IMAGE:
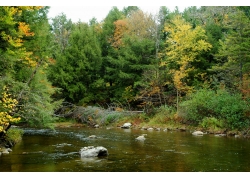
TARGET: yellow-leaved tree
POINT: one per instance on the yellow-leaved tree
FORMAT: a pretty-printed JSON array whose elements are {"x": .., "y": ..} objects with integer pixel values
[
  {"x": 184, "y": 47},
  {"x": 7, "y": 105},
  {"x": 13, "y": 32}
]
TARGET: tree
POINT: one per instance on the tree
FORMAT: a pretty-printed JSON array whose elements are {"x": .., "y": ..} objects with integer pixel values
[
  {"x": 25, "y": 56},
  {"x": 61, "y": 28},
  {"x": 12, "y": 36},
  {"x": 7, "y": 106},
  {"x": 233, "y": 53},
  {"x": 184, "y": 47},
  {"x": 76, "y": 72},
  {"x": 120, "y": 29},
  {"x": 128, "y": 10},
  {"x": 142, "y": 25},
  {"x": 132, "y": 52}
]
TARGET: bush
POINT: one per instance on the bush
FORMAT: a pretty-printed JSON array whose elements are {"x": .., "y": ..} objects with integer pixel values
[
  {"x": 97, "y": 115},
  {"x": 219, "y": 104},
  {"x": 112, "y": 117},
  {"x": 164, "y": 114},
  {"x": 211, "y": 123},
  {"x": 14, "y": 135}
]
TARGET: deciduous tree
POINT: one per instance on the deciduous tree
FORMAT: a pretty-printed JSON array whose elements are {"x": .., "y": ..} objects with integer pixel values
[{"x": 184, "y": 47}]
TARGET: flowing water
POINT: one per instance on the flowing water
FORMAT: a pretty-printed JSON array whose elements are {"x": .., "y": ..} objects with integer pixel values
[{"x": 58, "y": 151}]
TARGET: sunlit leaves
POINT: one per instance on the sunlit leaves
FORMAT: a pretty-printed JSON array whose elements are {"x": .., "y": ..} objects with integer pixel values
[
  {"x": 24, "y": 29},
  {"x": 13, "y": 32},
  {"x": 7, "y": 105},
  {"x": 183, "y": 47}
]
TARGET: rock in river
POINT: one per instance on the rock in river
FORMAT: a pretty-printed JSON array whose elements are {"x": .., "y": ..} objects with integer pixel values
[
  {"x": 126, "y": 125},
  {"x": 92, "y": 151},
  {"x": 197, "y": 133},
  {"x": 141, "y": 138}
]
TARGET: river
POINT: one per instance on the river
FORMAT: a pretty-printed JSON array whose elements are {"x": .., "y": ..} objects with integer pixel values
[{"x": 43, "y": 150}]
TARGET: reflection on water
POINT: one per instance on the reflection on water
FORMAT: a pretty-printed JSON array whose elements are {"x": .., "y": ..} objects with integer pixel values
[{"x": 57, "y": 151}]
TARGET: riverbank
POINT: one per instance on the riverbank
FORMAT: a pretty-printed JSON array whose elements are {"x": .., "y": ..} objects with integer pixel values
[
  {"x": 168, "y": 126},
  {"x": 13, "y": 136}
]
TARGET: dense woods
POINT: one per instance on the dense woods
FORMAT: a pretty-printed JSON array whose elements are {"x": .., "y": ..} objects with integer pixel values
[{"x": 193, "y": 64}]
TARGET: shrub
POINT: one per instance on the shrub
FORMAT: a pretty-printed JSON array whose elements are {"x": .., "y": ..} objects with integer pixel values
[
  {"x": 14, "y": 135},
  {"x": 97, "y": 115},
  {"x": 164, "y": 114},
  {"x": 112, "y": 117},
  {"x": 211, "y": 123},
  {"x": 219, "y": 104}
]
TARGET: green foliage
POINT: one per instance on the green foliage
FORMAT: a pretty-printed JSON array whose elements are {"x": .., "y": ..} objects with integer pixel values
[
  {"x": 211, "y": 123},
  {"x": 164, "y": 114},
  {"x": 14, "y": 135},
  {"x": 112, "y": 117},
  {"x": 37, "y": 105},
  {"x": 233, "y": 57},
  {"x": 76, "y": 71},
  {"x": 96, "y": 115},
  {"x": 220, "y": 104},
  {"x": 61, "y": 28}
]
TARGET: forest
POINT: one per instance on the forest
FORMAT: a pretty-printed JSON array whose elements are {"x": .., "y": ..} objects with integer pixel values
[{"x": 191, "y": 67}]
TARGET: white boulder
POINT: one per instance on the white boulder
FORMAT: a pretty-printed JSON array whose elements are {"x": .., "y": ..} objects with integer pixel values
[
  {"x": 126, "y": 125},
  {"x": 92, "y": 151},
  {"x": 141, "y": 138},
  {"x": 197, "y": 133}
]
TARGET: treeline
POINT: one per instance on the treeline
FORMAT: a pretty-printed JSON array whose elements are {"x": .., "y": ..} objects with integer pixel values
[{"x": 138, "y": 60}]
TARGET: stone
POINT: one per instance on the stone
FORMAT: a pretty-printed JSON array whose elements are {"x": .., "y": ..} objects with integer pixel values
[
  {"x": 91, "y": 151},
  {"x": 126, "y": 125},
  {"x": 150, "y": 129},
  {"x": 5, "y": 151},
  {"x": 197, "y": 133},
  {"x": 96, "y": 126},
  {"x": 141, "y": 138},
  {"x": 220, "y": 135},
  {"x": 93, "y": 136}
]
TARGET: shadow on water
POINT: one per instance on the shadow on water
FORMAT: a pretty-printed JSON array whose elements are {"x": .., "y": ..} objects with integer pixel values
[{"x": 46, "y": 150}]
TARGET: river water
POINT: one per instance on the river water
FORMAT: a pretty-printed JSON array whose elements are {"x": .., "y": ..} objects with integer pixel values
[{"x": 163, "y": 151}]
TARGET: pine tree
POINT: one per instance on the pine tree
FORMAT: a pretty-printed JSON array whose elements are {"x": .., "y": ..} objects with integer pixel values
[{"x": 77, "y": 70}]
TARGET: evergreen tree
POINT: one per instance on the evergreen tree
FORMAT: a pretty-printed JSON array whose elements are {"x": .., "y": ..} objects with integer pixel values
[
  {"x": 77, "y": 70},
  {"x": 233, "y": 54}
]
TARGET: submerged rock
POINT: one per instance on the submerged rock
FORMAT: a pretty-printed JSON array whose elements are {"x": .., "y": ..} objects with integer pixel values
[
  {"x": 220, "y": 135},
  {"x": 141, "y": 138},
  {"x": 92, "y": 151},
  {"x": 126, "y": 125},
  {"x": 197, "y": 133},
  {"x": 93, "y": 136}
]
